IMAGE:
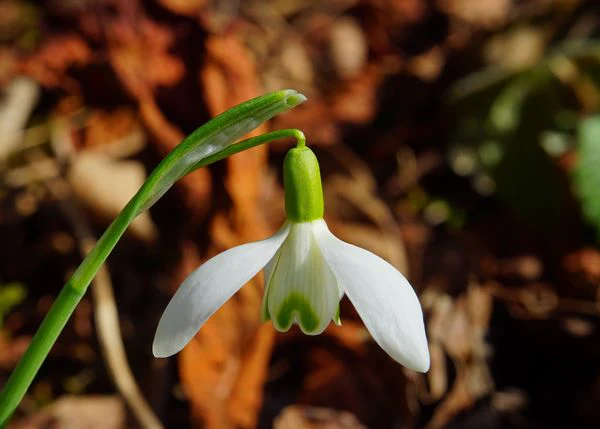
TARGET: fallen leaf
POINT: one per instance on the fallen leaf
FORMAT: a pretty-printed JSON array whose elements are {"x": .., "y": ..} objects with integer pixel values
[
  {"x": 184, "y": 7},
  {"x": 348, "y": 47},
  {"x": 357, "y": 100},
  {"x": 139, "y": 55},
  {"x": 90, "y": 412},
  {"x": 8, "y": 65},
  {"x": 224, "y": 367},
  {"x": 299, "y": 417},
  {"x": 49, "y": 64},
  {"x": 458, "y": 328},
  {"x": 487, "y": 14},
  {"x": 11, "y": 350},
  {"x": 116, "y": 133},
  {"x": 105, "y": 186},
  {"x": 16, "y": 104}
]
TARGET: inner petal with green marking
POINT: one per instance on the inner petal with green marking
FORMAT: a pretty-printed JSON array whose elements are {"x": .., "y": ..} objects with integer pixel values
[{"x": 300, "y": 287}]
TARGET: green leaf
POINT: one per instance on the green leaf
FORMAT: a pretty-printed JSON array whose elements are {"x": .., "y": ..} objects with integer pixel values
[
  {"x": 586, "y": 175},
  {"x": 11, "y": 295},
  {"x": 527, "y": 179}
]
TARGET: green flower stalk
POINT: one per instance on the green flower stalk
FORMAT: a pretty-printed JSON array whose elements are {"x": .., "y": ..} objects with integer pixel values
[{"x": 210, "y": 143}]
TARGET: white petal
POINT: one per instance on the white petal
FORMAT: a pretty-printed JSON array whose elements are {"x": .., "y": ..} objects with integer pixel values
[
  {"x": 268, "y": 274},
  {"x": 302, "y": 289},
  {"x": 207, "y": 288},
  {"x": 382, "y": 297}
]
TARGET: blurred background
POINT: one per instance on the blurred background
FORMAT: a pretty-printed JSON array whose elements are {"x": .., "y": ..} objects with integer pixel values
[{"x": 458, "y": 139}]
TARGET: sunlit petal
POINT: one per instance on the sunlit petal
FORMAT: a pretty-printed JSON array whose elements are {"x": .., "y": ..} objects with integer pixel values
[
  {"x": 207, "y": 288},
  {"x": 382, "y": 297}
]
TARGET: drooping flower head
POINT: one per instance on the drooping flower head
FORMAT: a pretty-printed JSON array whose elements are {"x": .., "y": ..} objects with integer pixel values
[{"x": 307, "y": 272}]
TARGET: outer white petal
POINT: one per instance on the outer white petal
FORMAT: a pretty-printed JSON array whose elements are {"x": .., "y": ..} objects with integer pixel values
[
  {"x": 207, "y": 288},
  {"x": 383, "y": 298}
]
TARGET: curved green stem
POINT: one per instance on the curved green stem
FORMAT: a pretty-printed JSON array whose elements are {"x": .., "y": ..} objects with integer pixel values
[{"x": 75, "y": 288}]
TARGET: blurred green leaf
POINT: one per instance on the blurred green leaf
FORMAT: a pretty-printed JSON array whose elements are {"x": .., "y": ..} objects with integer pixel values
[
  {"x": 586, "y": 175},
  {"x": 527, "y": 179},
  {"x": 11, "y": 295},
  {"x": 508, "y": 127}
]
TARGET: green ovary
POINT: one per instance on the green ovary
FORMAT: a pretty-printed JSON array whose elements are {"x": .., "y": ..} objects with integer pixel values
[
  {"x": 302, "y": 185},
  {"x": 296, "y": 307}
]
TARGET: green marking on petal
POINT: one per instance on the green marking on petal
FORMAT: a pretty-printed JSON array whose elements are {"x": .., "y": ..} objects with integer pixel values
[
  {"x": 336, "y": 317},
  {"x": 265, "y": 316},
  {"x": 296, "y": 307}
]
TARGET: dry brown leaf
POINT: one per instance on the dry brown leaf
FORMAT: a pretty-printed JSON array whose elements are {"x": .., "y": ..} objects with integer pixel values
[
  {"x": 50, "y": 62},
  {"x": 479, "y": 307},
  {"x": 11, "y": 350},
  {"x": 91, "y": 412},
  {"x": 105, "y": 186},
  {"x": 296, "y": 64},
  {"x": 343, "y": 369},
  {"x": 486, "y": 14},
  {"x": 437, "y": 375},
  {"x": 8, "y": 65},
  {"x": 458, "y": 328},
  {"x": 519, "y": 49},
  {"x": 585, "y": 262},
  {"x": 442, "y": 308},
  {"x": 117, "y": 133},
  {"x": 348, "y": 47},
  {"x": 17, "y": 102},
  {"x": 357, "y": 101},
  {"x": 298, "y": 417},
  {"x": 224, "y": 368},
  {"x": 184, "y": 7},
  {"x": 352, "y": 198},
  {"x": 428, "y": 65},
  {"x": 459, "y": 398},
  {"x": 352, "y": 335},
  {"x": 139, "y": 55},
  {"x": 384, "y": 243},
  {"x": 391, "y": 17}
]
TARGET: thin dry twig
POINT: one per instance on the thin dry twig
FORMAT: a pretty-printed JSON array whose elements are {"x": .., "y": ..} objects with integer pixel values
[
  {"x": 109, "y": 334},
  {"x": 106, "y": 315},
  {"x": 107, "y": 324}
]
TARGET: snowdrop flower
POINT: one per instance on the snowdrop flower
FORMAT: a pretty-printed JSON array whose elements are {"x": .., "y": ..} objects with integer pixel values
[{"x": 307, "y": 272}]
